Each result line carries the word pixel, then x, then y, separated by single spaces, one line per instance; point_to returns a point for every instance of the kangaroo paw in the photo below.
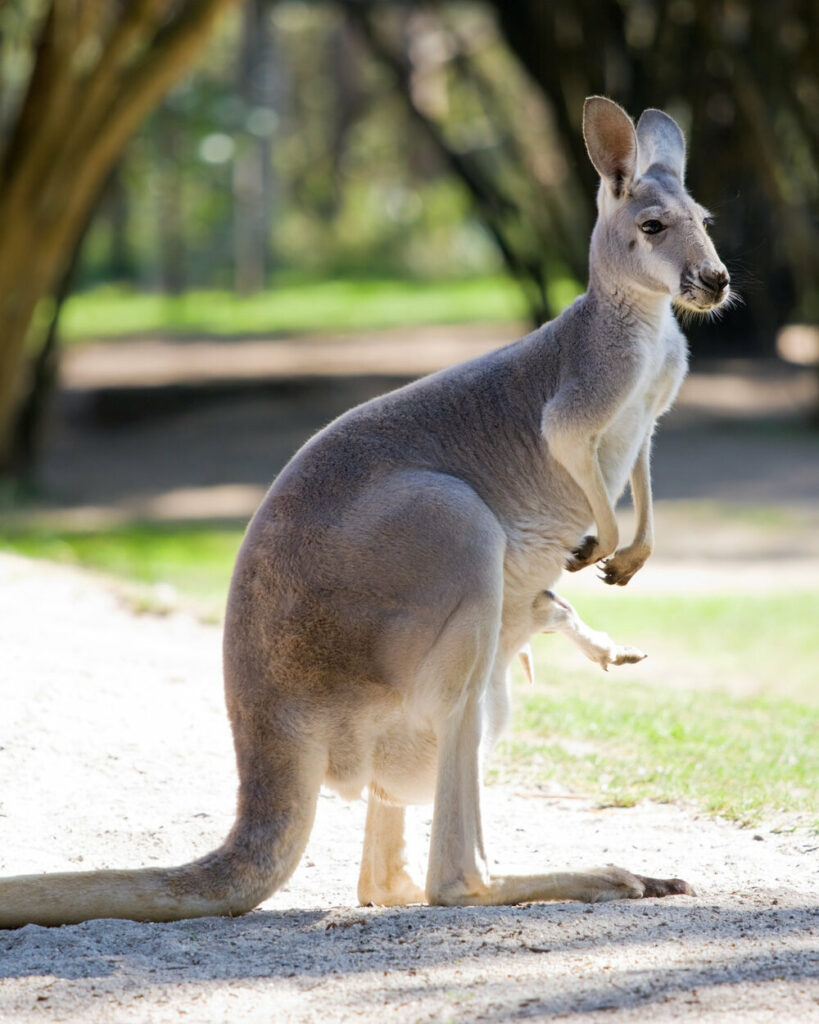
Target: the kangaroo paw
pixel 621 567
pixel 583 556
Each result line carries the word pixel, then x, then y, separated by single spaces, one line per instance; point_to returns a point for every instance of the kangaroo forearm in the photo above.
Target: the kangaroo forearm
pixel 641 496
pixel 578 456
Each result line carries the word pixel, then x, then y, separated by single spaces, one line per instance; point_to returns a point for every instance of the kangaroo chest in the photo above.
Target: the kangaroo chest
pixel 653 389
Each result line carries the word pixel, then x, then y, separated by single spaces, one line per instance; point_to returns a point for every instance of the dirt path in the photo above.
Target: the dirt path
pixel 114 751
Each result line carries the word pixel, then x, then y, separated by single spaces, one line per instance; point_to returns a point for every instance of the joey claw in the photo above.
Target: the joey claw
pixel 614 655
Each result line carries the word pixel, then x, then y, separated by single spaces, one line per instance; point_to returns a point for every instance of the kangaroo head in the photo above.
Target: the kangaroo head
pixel 650 233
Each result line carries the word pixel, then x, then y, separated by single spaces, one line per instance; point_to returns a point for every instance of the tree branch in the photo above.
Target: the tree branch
pixel 488 199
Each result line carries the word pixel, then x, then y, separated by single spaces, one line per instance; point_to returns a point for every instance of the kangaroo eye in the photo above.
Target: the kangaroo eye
pixel 652 227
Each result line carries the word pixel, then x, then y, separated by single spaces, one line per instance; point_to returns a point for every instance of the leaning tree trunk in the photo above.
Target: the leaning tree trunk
pixel 99 69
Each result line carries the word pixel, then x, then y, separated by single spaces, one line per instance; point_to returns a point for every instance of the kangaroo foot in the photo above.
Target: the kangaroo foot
pixel 400 892
pixel 626 884
pixel 665 887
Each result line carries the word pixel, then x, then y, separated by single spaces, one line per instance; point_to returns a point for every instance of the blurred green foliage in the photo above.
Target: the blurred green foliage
pixel 347 187
pixel 297 306
pixel 355 138
pixel 194 561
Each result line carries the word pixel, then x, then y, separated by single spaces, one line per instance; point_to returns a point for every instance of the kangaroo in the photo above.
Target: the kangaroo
pixel 399 563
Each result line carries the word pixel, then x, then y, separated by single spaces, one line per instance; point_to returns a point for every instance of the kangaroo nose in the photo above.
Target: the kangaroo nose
pixel 715 278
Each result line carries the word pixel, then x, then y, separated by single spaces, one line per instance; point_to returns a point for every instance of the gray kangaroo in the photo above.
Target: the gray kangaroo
pixel 399 563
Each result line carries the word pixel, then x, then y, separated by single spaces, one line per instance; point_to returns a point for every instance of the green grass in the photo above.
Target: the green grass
pixel 757 643
pixel 746 758
pixel 297 307
pixel 195 561
pixel 724 713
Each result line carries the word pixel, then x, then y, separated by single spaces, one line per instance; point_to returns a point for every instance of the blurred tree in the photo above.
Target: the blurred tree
pixel 416 48
pixel 259 88
pixel 743 78
pixel 97 69
pixel 397 137
pixel 307 164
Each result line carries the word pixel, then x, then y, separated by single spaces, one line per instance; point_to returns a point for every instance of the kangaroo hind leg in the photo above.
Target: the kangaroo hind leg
pixel 458 874
pixel 385 880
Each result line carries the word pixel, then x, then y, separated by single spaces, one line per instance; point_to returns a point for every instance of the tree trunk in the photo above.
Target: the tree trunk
pixel 77 116
pixel 172 244
pixel 252 165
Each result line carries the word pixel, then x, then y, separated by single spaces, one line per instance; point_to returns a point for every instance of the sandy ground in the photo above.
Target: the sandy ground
pixel 114 751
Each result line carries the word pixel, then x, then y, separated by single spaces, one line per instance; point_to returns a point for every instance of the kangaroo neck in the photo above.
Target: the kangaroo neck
pixel 614 300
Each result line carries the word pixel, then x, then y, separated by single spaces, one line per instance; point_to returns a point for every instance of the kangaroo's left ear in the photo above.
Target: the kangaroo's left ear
pixel 611 143
pixel 661 141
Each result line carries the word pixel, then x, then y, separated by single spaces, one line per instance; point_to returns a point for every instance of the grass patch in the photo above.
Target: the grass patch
pixel 196 562
pixel 745 758
pixel 724 713
pixel 294 307
pixel 763 644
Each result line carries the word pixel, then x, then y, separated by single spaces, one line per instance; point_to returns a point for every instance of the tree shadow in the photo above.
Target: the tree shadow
pixel 314 943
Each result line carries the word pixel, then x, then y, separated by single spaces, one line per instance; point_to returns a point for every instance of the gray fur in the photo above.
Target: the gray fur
pixel 398 564
pixel 661 143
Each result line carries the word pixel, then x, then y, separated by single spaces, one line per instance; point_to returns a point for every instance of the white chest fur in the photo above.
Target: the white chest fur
pixel 662 369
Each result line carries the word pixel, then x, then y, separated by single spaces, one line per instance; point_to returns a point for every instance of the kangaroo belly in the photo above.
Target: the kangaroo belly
pixel 390 752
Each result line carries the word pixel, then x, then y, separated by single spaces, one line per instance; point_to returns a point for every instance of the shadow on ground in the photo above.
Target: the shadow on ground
pixel 312 947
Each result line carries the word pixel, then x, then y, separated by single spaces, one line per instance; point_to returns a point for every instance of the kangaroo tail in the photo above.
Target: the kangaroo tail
pixel 256 859
pixel 152 894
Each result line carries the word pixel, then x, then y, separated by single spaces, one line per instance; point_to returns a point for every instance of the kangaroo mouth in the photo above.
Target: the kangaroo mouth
pixel 698 306
pixel 698 299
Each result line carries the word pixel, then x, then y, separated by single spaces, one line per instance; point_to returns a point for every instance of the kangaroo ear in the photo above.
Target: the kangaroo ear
pixel 611 142
pixel 662 142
